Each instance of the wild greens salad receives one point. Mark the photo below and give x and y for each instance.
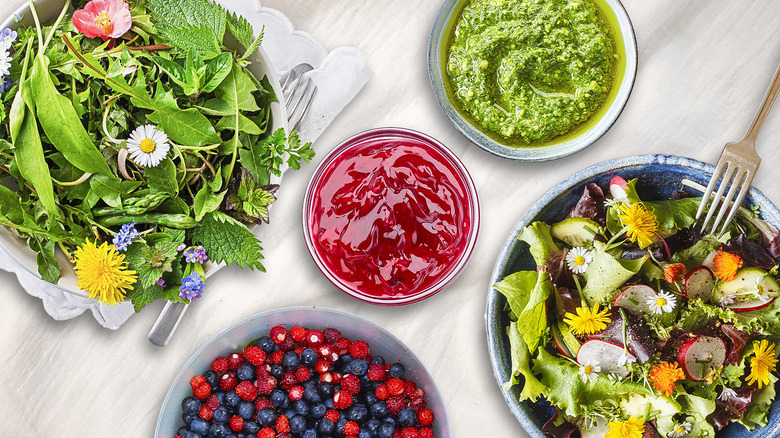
(134, 138)
(634, 324)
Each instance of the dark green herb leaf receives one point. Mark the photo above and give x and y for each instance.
(162, 178)
(206, 201)
(188, 127)
(186, 24)
(44, 256)
(216, 71)
(227, 240)
(111, 190)
(239, 27)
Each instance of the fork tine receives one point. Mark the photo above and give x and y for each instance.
(705, 197)
(724, 182)
(303, 104)
(726, 202)
(738, 201)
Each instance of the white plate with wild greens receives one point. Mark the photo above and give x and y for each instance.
(79, 158)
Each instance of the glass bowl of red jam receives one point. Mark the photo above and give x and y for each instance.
(391, 216)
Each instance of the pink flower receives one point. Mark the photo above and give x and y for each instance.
(103, 18)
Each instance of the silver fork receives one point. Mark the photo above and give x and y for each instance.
(736, 167)
(294, 86)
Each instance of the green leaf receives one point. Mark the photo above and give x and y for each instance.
(188, 127)
(172, 68)
(216, 71)
(236, 89)
(606, 274)
(297, 151)
(206, 201)
(239, 27)
(162, 178)
(521, 363)
(112, 190)
(227, 240)
(244, 124)
(526, 292)
(44, 255)
(538, 237)
(186, 24)
(155, 261)
(216, 107)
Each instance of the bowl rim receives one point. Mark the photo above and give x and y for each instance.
(442, 420)
(521, 412)
(67, 280)
(540, 153)
(473, 210)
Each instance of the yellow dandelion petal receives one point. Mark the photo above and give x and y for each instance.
(762, 363)
(641, 224)
(587, 321)
(102, 272)
(631, 428)
(665, 375)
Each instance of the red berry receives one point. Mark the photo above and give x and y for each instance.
(287, 345)
(265, 384)
(288, 380)
(282, 435)
(282, 424)
(236, 423)
(322, 366)
(342, 399)
(409, 432)
(425, 432)
(359, 350)
(254, 355)
(220, 365)
(341, 346)
(324, 351)
(202, 391)
(266, 432)
(262, 403)
(331, 335)
(351, 383)
(381, 392)
(205, 412)
(425, 417)
(418, 393)
(212, 402)
(396, 386)
(314, 338)
(332, 415)
(278, 334)
(303, 373)
(276, 357)
(351, 428)
(298, 333)
(409, 388)
(296, 393)
(228, 381)
(335, 378)
(198, 381)
(376, 372)
(326, 377)
(417, 403)
(395, 403)
(234, 361)
(247, 391)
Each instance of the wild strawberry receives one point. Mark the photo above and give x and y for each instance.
(331, 335)
(198, 381)
(396, 386)
(395, 403)
(228, 381)
(417, 403)
(205, 413)
(282, 424)
(314, 338)
(202, 391)
(341, 346)
(425, 417)
(351, 383)
(322, 366)
(409, 388)
(282, 435)
(236, 423)
(276, 357)
(418, 393)
(409, 432)
(298, 333)
(303, 373)
(326, 377)
(296, 393)
(287, 345)
(278, 334)
(266, 432)
(359, 350)
(262, 403)
(235, 360)
(376, 372)
(332, 415)
(342, 400)
(265, 384)
(288, 380)
(263, 370)
(335, 378)
(324, 351)
(220, 365)
(425, 432)
(351, 428)
(212, 402)
(247, 391)
(254, 355)
(381, 392)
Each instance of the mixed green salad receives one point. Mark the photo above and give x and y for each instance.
(135, 138)
(635, 324)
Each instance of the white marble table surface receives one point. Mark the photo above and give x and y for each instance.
(703, 69)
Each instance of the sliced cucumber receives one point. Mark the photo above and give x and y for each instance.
(752, 289)
(569, 339)
(575, 231)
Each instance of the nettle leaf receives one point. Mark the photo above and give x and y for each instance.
(227, 240)
(197, 24)
(239, 27)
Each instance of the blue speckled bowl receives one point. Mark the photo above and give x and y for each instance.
(658, 176)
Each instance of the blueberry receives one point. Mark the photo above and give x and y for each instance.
(220, 395)
(212, 379)
(378, 410)
(309, 433)
(188, 434)
(386, 430)
(329, 403)
(378, 359)
(221, 415)
(397, 370)
(318, 411)
(245, 409)
(297, 424)
(364, 434)
(277, 397)
(231, 399)
(181, 430)
(290, 412)
(301, 407)
(312, 395)
(291, 360)
(218, 430)
(358, 367)
(325, 389)
(251, 427)
(340, 425)
(390, 419)
(370, 398)
(357, 413)
(190, 405)
(407, 417)
(266, 417)
(372, 426)
(187, 418)
(326, 427)
(266, 344)
(199, 426)
(309, 357)
(246, 372)
(277, 371)
(343, 361)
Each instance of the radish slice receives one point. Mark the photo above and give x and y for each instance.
(752, 289)
(605, 354)
(617, 187)
(699, 283)
(701, 355)
(634, 298)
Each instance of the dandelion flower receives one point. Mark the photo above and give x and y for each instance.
(631, 428)
(726, 265)
(641, 224)
(191, 286)
(589, 371)
(674, 272)
(147, 145)
(587, 321)
(762, 364)
(663, 302)
(103, 18)
(665, 375)
(681, 430)
(578, 259)
(102, 272)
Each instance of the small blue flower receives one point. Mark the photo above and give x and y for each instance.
(17, 17)
(191, 286)
(195, 255)
(6, 84)
(7, 36)
(125, 236)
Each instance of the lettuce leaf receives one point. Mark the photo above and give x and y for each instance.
(606, 274)
(699, 408)
(538, 237)
(526, 293)
(757, 412)
(521, 363)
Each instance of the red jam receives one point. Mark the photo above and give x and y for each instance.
(391, 216)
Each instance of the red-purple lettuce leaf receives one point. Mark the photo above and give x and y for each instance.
(751, 252)
(591, 204)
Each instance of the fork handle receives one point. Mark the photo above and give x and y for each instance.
(763, 110)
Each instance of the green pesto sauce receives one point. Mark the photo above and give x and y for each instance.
(530, 70)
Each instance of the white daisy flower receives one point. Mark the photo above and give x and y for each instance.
(589, 371)
(5, 63)
(727, 394)
(760, 292)
(147, 145)
(578, 259)
(680, 430)
(663, 302)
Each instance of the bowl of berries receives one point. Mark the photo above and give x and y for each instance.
(303, 372)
